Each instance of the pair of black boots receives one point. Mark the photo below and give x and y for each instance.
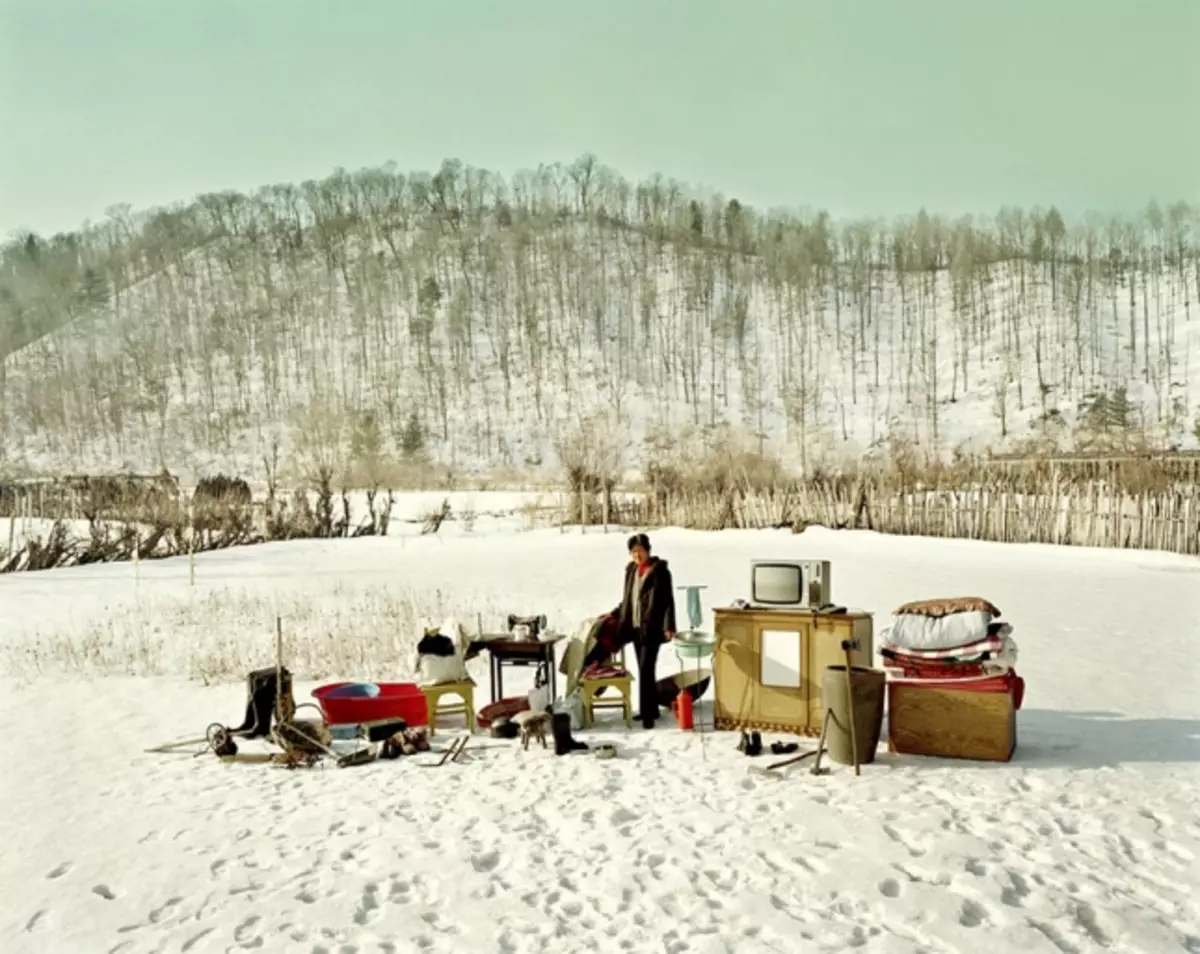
(564, 742)
(751, 744)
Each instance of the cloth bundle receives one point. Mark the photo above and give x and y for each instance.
(441, 654)
(591, 649)
(952, 643)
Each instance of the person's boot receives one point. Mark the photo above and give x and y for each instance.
(564, 742)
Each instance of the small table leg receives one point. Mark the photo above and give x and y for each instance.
(551, 676)
(499, 679)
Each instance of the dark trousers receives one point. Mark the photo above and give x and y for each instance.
(647, 660)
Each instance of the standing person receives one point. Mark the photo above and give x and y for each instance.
(647, 616)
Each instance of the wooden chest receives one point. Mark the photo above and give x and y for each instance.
(951, 723)
(768, 665)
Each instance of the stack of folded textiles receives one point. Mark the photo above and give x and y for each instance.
(957, 643)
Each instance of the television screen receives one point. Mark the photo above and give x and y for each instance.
(779, 584)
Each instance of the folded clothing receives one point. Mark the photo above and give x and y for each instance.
(1008, 682)
(604, 671)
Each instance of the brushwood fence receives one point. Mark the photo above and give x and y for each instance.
(1088, 514)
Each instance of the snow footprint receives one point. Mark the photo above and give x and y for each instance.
(1016, 891)
(247, 934)
(972, 913)
(368, 905)
(163, 911)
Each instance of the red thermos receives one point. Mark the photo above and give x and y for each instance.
(683, 709)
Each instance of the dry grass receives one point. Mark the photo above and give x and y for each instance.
(350, 632)
(467, 515)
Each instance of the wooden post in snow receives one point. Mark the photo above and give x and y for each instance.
(191, 522)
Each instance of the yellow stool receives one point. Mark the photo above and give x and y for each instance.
(433, 699)
(589, 689)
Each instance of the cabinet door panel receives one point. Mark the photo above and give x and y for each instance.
(785, 704)
(735, 672)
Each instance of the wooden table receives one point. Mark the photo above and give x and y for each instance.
(504, 651)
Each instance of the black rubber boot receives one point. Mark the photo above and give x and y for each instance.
(750, 744)
(564, 743)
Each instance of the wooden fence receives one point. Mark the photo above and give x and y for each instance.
(1090, 514)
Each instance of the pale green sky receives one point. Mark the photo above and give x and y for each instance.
(857, 106)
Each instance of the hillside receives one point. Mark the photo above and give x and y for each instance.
(483, 323)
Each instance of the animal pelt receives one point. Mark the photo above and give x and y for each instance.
(407, 742)
(532, 725)
(947, 606)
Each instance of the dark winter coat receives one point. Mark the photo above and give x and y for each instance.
(657, 603)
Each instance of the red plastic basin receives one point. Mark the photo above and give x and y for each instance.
(396, 700)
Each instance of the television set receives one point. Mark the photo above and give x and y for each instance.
(790, 583)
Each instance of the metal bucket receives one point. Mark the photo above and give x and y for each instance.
(868, 688)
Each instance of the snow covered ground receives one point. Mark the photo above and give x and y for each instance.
(1089, 840)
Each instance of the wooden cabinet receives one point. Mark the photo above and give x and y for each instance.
(769, 664)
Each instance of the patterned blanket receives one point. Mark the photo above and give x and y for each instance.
(978, 651)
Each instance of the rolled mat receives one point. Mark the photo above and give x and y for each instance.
(501, 709)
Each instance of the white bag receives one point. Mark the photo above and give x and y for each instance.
(539, 698)
(572, 705)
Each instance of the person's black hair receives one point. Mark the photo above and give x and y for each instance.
(639, 540)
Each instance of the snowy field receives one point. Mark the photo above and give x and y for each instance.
(1088, 841)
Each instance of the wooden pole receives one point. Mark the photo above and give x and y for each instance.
(191, 521)
(278, 669)
(850, 704)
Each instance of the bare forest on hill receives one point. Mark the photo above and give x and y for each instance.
(375, 319)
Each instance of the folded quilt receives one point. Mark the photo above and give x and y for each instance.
(994, 656)
(942, 632)
(971, 651)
